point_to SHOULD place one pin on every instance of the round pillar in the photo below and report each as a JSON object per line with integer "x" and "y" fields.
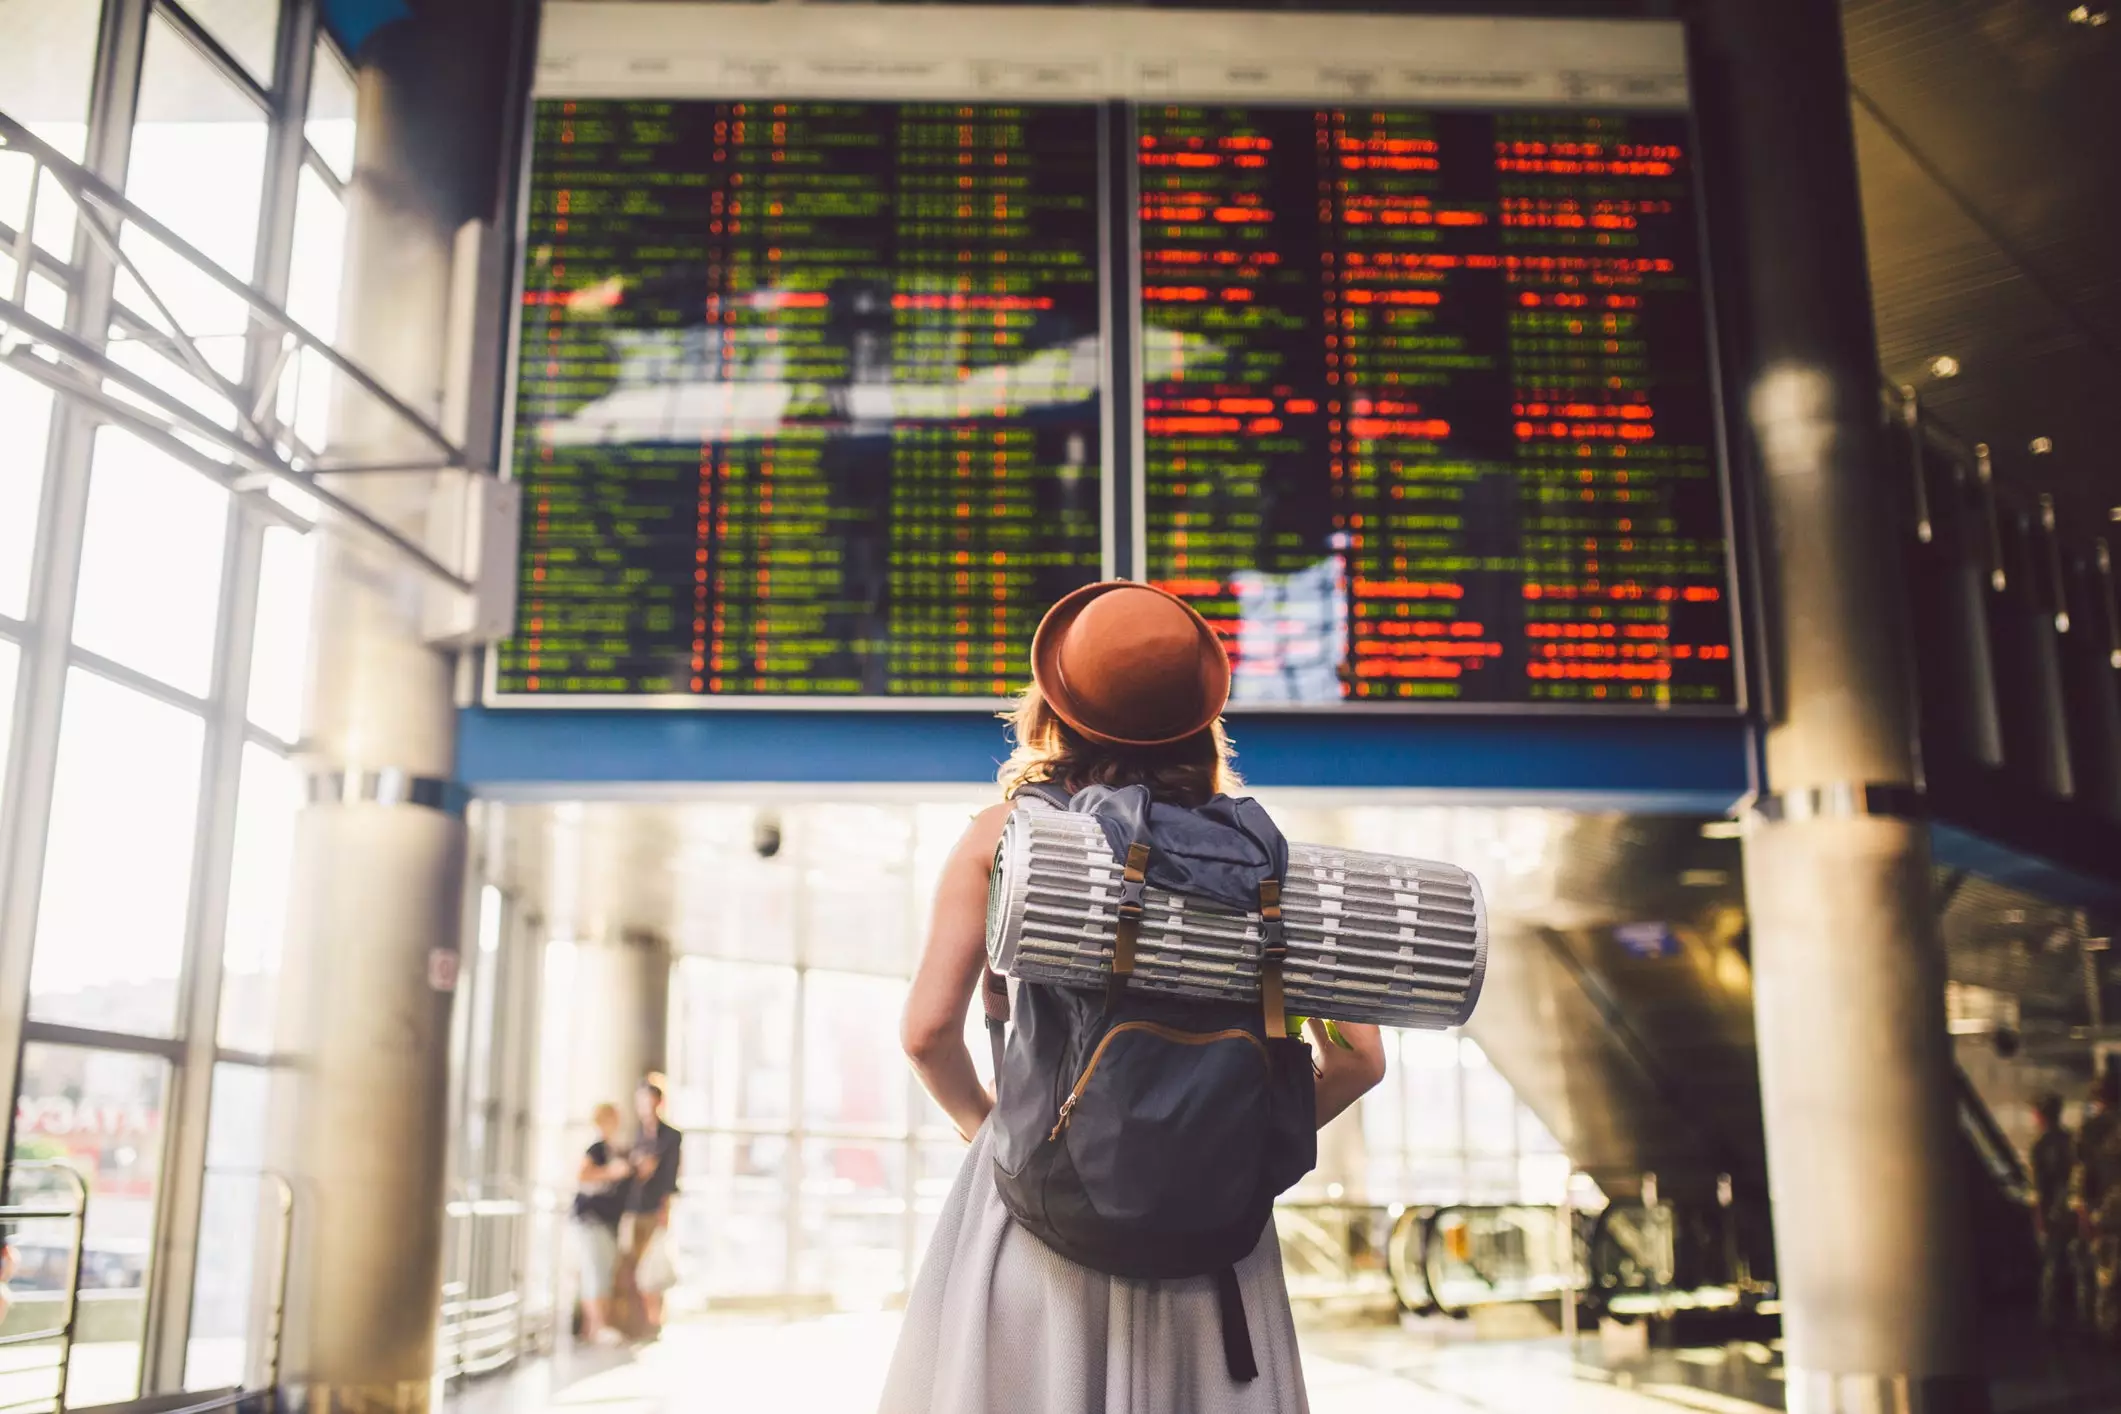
{"x": 1864, "y": 1167}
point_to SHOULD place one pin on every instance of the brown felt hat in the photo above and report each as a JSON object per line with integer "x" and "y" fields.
{"x": 1129, "y": 664}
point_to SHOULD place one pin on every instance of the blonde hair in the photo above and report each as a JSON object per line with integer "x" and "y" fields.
{"x": 602, "y": 1112}
{"x": 1047, "y": 749}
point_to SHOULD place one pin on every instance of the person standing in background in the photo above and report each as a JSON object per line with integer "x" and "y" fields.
{"x": 2054, "y": 1156}
{"x": 657, "y": 1155}
{"x": 599, "y": 1202}
{"x": 2096, "y": 1196}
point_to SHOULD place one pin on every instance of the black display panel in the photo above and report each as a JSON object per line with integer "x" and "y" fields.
{"x": 1428, "y": 408}
{"x": 809, "y": 396}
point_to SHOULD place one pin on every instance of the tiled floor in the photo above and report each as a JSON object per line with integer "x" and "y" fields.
{"x": 836, "y": 1364}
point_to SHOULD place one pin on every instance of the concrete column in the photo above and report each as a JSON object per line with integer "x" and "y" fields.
{"x": 1862, "y": 1145}
{"x": 620, "y": 1002}
{"x": 380, "y": 881}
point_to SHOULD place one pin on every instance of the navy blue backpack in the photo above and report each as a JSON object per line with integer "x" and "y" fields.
{"x": 1146, "y": 1135}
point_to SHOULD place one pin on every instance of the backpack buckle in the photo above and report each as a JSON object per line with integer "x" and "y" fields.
{"x": 1134, "y": 882}
{"x": 1274, "y": 939}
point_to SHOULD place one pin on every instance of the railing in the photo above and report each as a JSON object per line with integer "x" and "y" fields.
{"x": 76, "y": 1216}
{"x": 1334, "y": 1250}
{"x": 1627, "y": 1261}
{"x": 1497, "y": 1254}
{"x": 482, "y": 1327}
{"x": 283, "y": 1258}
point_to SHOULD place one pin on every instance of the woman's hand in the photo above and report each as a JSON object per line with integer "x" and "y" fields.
{"x": 1345, "y": 1073}
{"x": 933, "y": 1029}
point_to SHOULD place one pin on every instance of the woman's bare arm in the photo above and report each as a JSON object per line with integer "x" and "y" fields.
{"x": 1344, "y": 1075}
{"x": 933, "y": 1030}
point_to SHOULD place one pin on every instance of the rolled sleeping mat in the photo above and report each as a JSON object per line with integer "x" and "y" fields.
{"x": 1371, "y": 937}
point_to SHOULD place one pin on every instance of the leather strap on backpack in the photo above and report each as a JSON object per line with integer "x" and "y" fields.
{"x": 1133, "y": 881}
{"x": 1273, "y": 952}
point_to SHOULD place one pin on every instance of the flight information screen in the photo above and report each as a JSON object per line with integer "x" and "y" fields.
{"x": 809, "y": 396}
{"x": 1427, "y": 403}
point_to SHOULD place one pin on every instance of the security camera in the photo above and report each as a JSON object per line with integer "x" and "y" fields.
{"x": 766, "y": 836}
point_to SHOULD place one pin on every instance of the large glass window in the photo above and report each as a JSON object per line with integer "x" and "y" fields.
{"x": 46, "y": 67}
{"x": 118, "y": 861}
{"x": 330, "y": 128}
{"x": 247, "y": 29}
{"x": 10, "y": 657}
{"x": 313, "y": 282}
{"x": 151, "y": 563}
{"x": 26, "y": 413}
{"x": 198, "y": 166}
{"x": 261, "y": 873}
{"x": 1445, "y": 1127}
{"x": 98, "y": 1113}
{"x": 242, "y": 1237}
{"x": 279, "y": 662}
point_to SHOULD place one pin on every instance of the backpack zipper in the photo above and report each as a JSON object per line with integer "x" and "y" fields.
{"x": 1183, "y": 1038}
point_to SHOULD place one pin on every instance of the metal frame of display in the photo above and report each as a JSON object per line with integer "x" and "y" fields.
{"x": 1117, "y": 81}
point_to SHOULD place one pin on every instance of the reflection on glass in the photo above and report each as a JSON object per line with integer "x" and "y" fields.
{"x": 198, "y": 166}
{"x": 854, "y": 1072}
{"x": 239, "y": 1233}
{"x": 117, "y": 866}
{"x": 100, "y": 1114}
{"x": 247, "y": 29}
{"x": 260, "y": 874}
{"x": 330, "y": 125}
{"x": 280, "y": 642}
{"x": 732, "y": 1044}
{"x": 314, "y": 276}
{"x": 26, "y": 413}
{"x": 151, "y": 563}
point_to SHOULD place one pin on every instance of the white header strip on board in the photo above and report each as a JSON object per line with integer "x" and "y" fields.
{"x": 634, "y": 50}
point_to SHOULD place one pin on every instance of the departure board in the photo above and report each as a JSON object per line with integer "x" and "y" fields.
{"x": 1427, "y": 404}
{"x": 808, "y": 396}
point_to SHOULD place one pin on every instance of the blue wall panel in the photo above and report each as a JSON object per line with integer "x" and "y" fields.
{"x": 1671, "y": 764}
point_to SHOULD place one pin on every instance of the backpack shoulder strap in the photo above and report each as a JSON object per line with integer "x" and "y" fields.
{"x": 1273, "y": 952}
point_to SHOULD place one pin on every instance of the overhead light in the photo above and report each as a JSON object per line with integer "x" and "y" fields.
{"x": 2093, "y": 15}
{"x": 1723, "y": 829}
{"x": 2041, "y": 446}
{"x": 1944, "y": 366}
{"x": 2114, "y": 513}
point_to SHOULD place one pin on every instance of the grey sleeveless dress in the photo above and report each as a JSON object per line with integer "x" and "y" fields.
{"x": 998, "y": 1323}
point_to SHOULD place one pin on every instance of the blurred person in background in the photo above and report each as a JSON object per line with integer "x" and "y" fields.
{"x": 2096, "y": 1196}
{"x": 2054, "y": 1156}
{"x": 657, "y": 1155}
{"x": 602, "y": 1187}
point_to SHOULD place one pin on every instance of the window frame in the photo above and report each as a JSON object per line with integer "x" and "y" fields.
{"x": 46, "y": 653}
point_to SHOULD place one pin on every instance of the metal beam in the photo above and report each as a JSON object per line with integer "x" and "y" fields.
{"x": 86, "y": 187}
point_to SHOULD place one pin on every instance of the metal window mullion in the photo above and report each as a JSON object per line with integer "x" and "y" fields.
{"x": 314, "y": 161}
{"x": 57, "y": 1033}
{"x": 288, "y": 106}
{"x": 55, "y": 561}
{"x": 184, "y": 1176}
{"x": 212, "y": 50}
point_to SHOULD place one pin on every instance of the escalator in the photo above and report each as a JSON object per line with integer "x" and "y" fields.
{"x": 1619, "y": 1005}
